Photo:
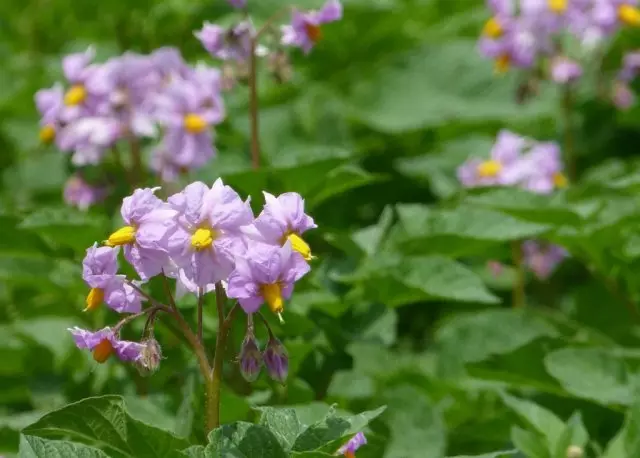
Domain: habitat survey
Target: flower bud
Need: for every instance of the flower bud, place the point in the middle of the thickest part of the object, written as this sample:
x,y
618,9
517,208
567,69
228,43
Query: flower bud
x,y
276,359
150,357
250,357
575,451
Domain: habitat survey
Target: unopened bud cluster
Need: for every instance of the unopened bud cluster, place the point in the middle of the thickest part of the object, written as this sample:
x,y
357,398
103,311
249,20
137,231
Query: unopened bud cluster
x,y
274,357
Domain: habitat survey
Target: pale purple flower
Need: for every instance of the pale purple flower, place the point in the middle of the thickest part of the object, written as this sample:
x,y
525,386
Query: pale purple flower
x,y
502,167
168,62
495,267
283,219
80,194
305,28
208,235
78,101
104,343
227,44
542,259
149,222
238,3
99,271
89,138
349,449
541,168
49,103
266,273
187,112
622,95
631,67
564,70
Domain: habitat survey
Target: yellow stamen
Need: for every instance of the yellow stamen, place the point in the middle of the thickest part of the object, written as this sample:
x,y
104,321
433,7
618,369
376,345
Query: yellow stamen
x,y
75,95
502,64
314,32
629,14
94,298
557,6
194,123
47,134
273,296
489,169
560,181
124,236
202,238
492,28
102,351
299,245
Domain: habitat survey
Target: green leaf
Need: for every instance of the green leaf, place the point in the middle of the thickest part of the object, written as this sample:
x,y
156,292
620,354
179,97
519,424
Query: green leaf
x,y
416,425
394,280
36,447
339,181
105,422
531,444
283,423
244,440
331,428
489,455
575,433
542,420
479,335
462,231
441,82
608,381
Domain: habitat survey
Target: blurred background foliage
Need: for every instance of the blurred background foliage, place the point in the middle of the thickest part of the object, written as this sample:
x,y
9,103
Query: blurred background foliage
x,y
400,308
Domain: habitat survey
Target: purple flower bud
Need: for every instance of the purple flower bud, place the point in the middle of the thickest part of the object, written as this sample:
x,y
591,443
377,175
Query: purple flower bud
x,y
349,449
250,357
276,360
238,3
542,258
78,193
564,71
150,357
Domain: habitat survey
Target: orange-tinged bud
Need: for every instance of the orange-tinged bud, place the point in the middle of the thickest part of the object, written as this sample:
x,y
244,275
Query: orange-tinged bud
x,y
102,351
314,32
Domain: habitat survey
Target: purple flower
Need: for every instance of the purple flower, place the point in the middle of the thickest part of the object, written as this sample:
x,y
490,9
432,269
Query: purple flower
x,y
495,267
276,360
349,449
630,67
187,112
104,343
266,273
148,225
168,61
238,3
208,234
541,169
541,258
227,44
49,103
78,101
304,30
78,193
622,96
99,271
89,138
283,219
502,168
564,70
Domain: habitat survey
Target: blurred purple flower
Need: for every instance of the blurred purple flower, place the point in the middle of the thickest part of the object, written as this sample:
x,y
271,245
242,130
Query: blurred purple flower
x,y
49,103
238,3
89,138
78,101
266,273
78,193
227,44
564,70
305,28
622,95
208,237
542,168
541,258
104,343
349,449
99,271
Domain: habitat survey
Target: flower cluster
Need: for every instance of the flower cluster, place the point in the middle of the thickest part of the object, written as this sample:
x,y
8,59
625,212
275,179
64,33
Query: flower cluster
x,y
523,162
129,98
523,33
349,449
204,237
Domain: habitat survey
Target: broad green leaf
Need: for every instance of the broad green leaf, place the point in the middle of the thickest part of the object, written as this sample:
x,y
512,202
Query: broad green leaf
x,y
542,420
197,451
608,381
530,443
574,434
333,427
283,423
36,447
439,83
105,422
351,385
626,442
394,280
244,440
339,181
186,412
479,335
416,425
489,455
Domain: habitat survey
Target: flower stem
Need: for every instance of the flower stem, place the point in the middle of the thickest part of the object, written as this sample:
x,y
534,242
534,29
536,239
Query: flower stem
x,y
136,161
200,307
215,381
253,105
566,110
518,288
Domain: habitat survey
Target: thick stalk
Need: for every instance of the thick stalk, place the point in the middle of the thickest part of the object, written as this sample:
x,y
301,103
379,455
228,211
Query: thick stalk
x,y
215,381
518,287
253,106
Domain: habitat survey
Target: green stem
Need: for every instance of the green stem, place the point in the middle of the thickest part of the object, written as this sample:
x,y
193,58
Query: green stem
x,y
253,106
215,381
568,145
518,288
